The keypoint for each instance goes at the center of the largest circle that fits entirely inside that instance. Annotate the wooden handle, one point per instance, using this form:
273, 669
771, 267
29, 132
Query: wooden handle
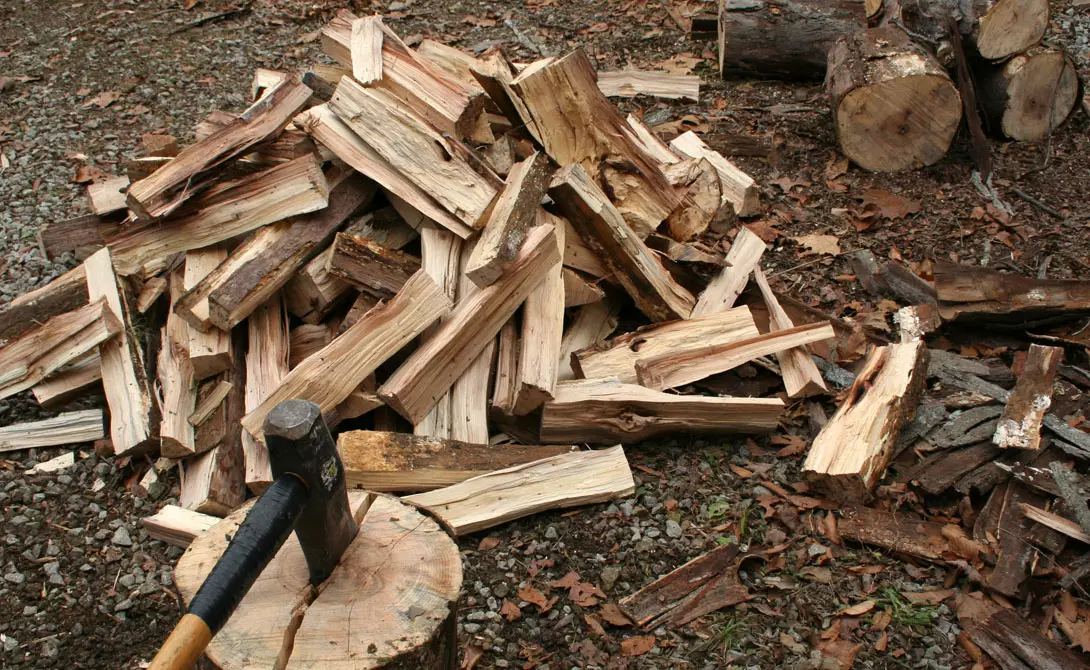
184, 646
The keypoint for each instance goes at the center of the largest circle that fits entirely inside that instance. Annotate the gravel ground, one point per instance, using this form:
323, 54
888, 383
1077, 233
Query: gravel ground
83, 587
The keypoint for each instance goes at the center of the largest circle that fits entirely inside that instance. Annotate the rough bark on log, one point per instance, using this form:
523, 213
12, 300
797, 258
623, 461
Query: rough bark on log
370, 266
997, 29
970, 292
30, 310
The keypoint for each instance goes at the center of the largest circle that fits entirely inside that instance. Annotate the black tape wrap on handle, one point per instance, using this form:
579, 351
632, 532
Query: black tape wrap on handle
257, 540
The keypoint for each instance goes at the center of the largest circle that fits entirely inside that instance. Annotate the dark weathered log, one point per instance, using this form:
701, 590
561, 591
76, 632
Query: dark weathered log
971, 292
1030, 95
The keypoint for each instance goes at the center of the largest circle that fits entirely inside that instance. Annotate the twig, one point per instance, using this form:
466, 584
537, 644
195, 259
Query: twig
1038, 204
801, 265
989, 193
209, 18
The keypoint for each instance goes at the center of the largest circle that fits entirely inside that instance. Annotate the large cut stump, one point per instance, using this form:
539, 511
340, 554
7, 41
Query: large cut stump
894, 106
1028, 96
391, 603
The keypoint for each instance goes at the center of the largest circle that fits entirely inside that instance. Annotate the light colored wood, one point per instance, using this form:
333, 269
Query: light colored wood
306, 340
75, 380
894, 105
850, 453
577, 255
650, 143
328, 377
313, 293
177, 526
436, 163
743, 257
383, 461
177, 383
150, 293
124, 377
454, 62
702, 204
800, 375
505, 384
591, 324
632, 264
66, 428
1030, 95
606, 411
209, 347
543, 325
370, 266
441, 255
107, 197
1009, 27
737, 187
323, 125
432, 369
514, 213
666, 85
401, 567
578, 291
266, 367
264, 81
1019, 426
210, 403
185, 645
366, 49
363, 304
618, 357
28, 311
1055, 522
227, 210
685, 366
470, 394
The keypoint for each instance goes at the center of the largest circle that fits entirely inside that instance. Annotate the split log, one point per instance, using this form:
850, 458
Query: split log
665, 85
738, 188
209, 347
306, 340
401, 563
177, 526
894, 106
73, 381
557, 482
133, 410
67, 428
150, 293
365, 48
82, 235
723, 290
107, 197
505, 385
454, 62
382, 461
313, 292
892, 279
849, 454
788, 39
703, 203
1015, 535
28, 311
633, 265
618, 357
715, 355
1020, 425
370, 266
514, 213
225, 211
177, 383
434, 367
441, 252
543, 325
592, 324
941, 472
605, 411
155, 144
577, 255
578, 290
801, 377
983, 294
1030, 95
209, 402
328, 377
152, 197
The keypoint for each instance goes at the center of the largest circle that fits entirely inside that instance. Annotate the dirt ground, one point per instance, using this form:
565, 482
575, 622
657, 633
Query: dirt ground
82, 585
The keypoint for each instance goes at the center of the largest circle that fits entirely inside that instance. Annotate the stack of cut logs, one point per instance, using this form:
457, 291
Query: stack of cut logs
891, 68
440, 242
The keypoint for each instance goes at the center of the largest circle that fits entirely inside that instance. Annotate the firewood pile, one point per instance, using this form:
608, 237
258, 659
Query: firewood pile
899, 73
440, 251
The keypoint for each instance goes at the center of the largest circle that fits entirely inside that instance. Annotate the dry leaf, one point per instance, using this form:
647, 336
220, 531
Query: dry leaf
679, 64
861, 608
104, 99
888, 205
86, 174
835, 167
637, 646
882, 643
510, 610
488, 543
842, 651
788, 183
473, 653
765, 229
795, 445
567, 581
613, 615
10, 82
1068, 606
867, 569
819, 244
599, 27
817, 574
535, 597
1076, 631
595, 625
931, 597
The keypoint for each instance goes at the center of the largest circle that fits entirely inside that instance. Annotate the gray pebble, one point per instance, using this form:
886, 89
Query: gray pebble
673, 528
121, 537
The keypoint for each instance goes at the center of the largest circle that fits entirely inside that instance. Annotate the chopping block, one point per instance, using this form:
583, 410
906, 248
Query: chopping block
391, 602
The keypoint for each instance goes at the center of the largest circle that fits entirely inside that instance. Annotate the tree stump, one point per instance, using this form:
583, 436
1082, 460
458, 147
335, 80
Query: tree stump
391, 603
1028, 96
894, 106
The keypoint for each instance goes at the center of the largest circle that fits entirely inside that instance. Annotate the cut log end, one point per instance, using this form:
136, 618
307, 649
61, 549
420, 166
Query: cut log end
1030, 95
1010, 27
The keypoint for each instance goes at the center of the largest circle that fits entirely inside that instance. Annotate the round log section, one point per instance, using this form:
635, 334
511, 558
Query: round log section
391, 603
1008, 27
895, 107
1030, 95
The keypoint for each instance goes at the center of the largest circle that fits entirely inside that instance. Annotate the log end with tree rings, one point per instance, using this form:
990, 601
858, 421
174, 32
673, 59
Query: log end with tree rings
1010, 27
895, 107
1030, 95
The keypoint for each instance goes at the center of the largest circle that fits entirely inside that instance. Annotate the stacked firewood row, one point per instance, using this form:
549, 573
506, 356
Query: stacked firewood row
899, 73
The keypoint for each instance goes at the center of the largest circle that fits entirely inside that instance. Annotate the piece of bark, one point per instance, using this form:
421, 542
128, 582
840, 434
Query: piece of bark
940, 472
892, 279
801, 377
30, 310
152, 197
209, 347
431, 370
578, 290
321, 123
379, 270
76, 380
505, 385
738, 188
177, 383
543, 325
384, 461
133, 411
973, 425
227, 210
894, 106
592, 323
849, 455
1030, 95
723, 290
329, 376
606, 411
177, 526
619, 356
1015, 553
66, 428
1020, 425
896, 532
1014, 644
632, 264
702, 202
82, 236
1073, 491
556, 482
441, 252
715, 355
514, 213
665, 85
108, 196
970, 292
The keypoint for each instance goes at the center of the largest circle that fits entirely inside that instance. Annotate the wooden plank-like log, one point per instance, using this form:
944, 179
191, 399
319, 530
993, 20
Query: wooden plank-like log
633, 265
107, 197
313, 292
377, 269
618, 357
177, 383
177, 526
578, 291
738, 188
543, 325
505, 385
82, 235
441, 255
665, 85
68, 428
715, 355
605, 411
75, 380
150, 198
266, 368
30, 310
328, 377
743, 257
210, 402
365, 47
557, 482
209, 347
702, 204
1014, 643
577, 255
897, 532
801, 377
431, 370
849, 454
969, 292
383, 461
133, 412
1055, 522
1020, 425
591, 324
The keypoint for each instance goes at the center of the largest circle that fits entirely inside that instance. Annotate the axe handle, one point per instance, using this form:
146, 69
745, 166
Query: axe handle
257, 540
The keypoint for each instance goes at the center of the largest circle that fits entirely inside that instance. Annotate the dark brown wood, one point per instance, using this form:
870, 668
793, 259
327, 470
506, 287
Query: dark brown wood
941, 471
1020, 425
895, 531
377, 269
30, 310
1015, 551
968, 292
82, 236
1014, 644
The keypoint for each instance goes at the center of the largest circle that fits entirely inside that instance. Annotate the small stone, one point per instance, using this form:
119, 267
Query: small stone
550, 533
124, 605
471, 628
610, 575
673, 528
10, 643
30, 610
15, 577
121, 537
